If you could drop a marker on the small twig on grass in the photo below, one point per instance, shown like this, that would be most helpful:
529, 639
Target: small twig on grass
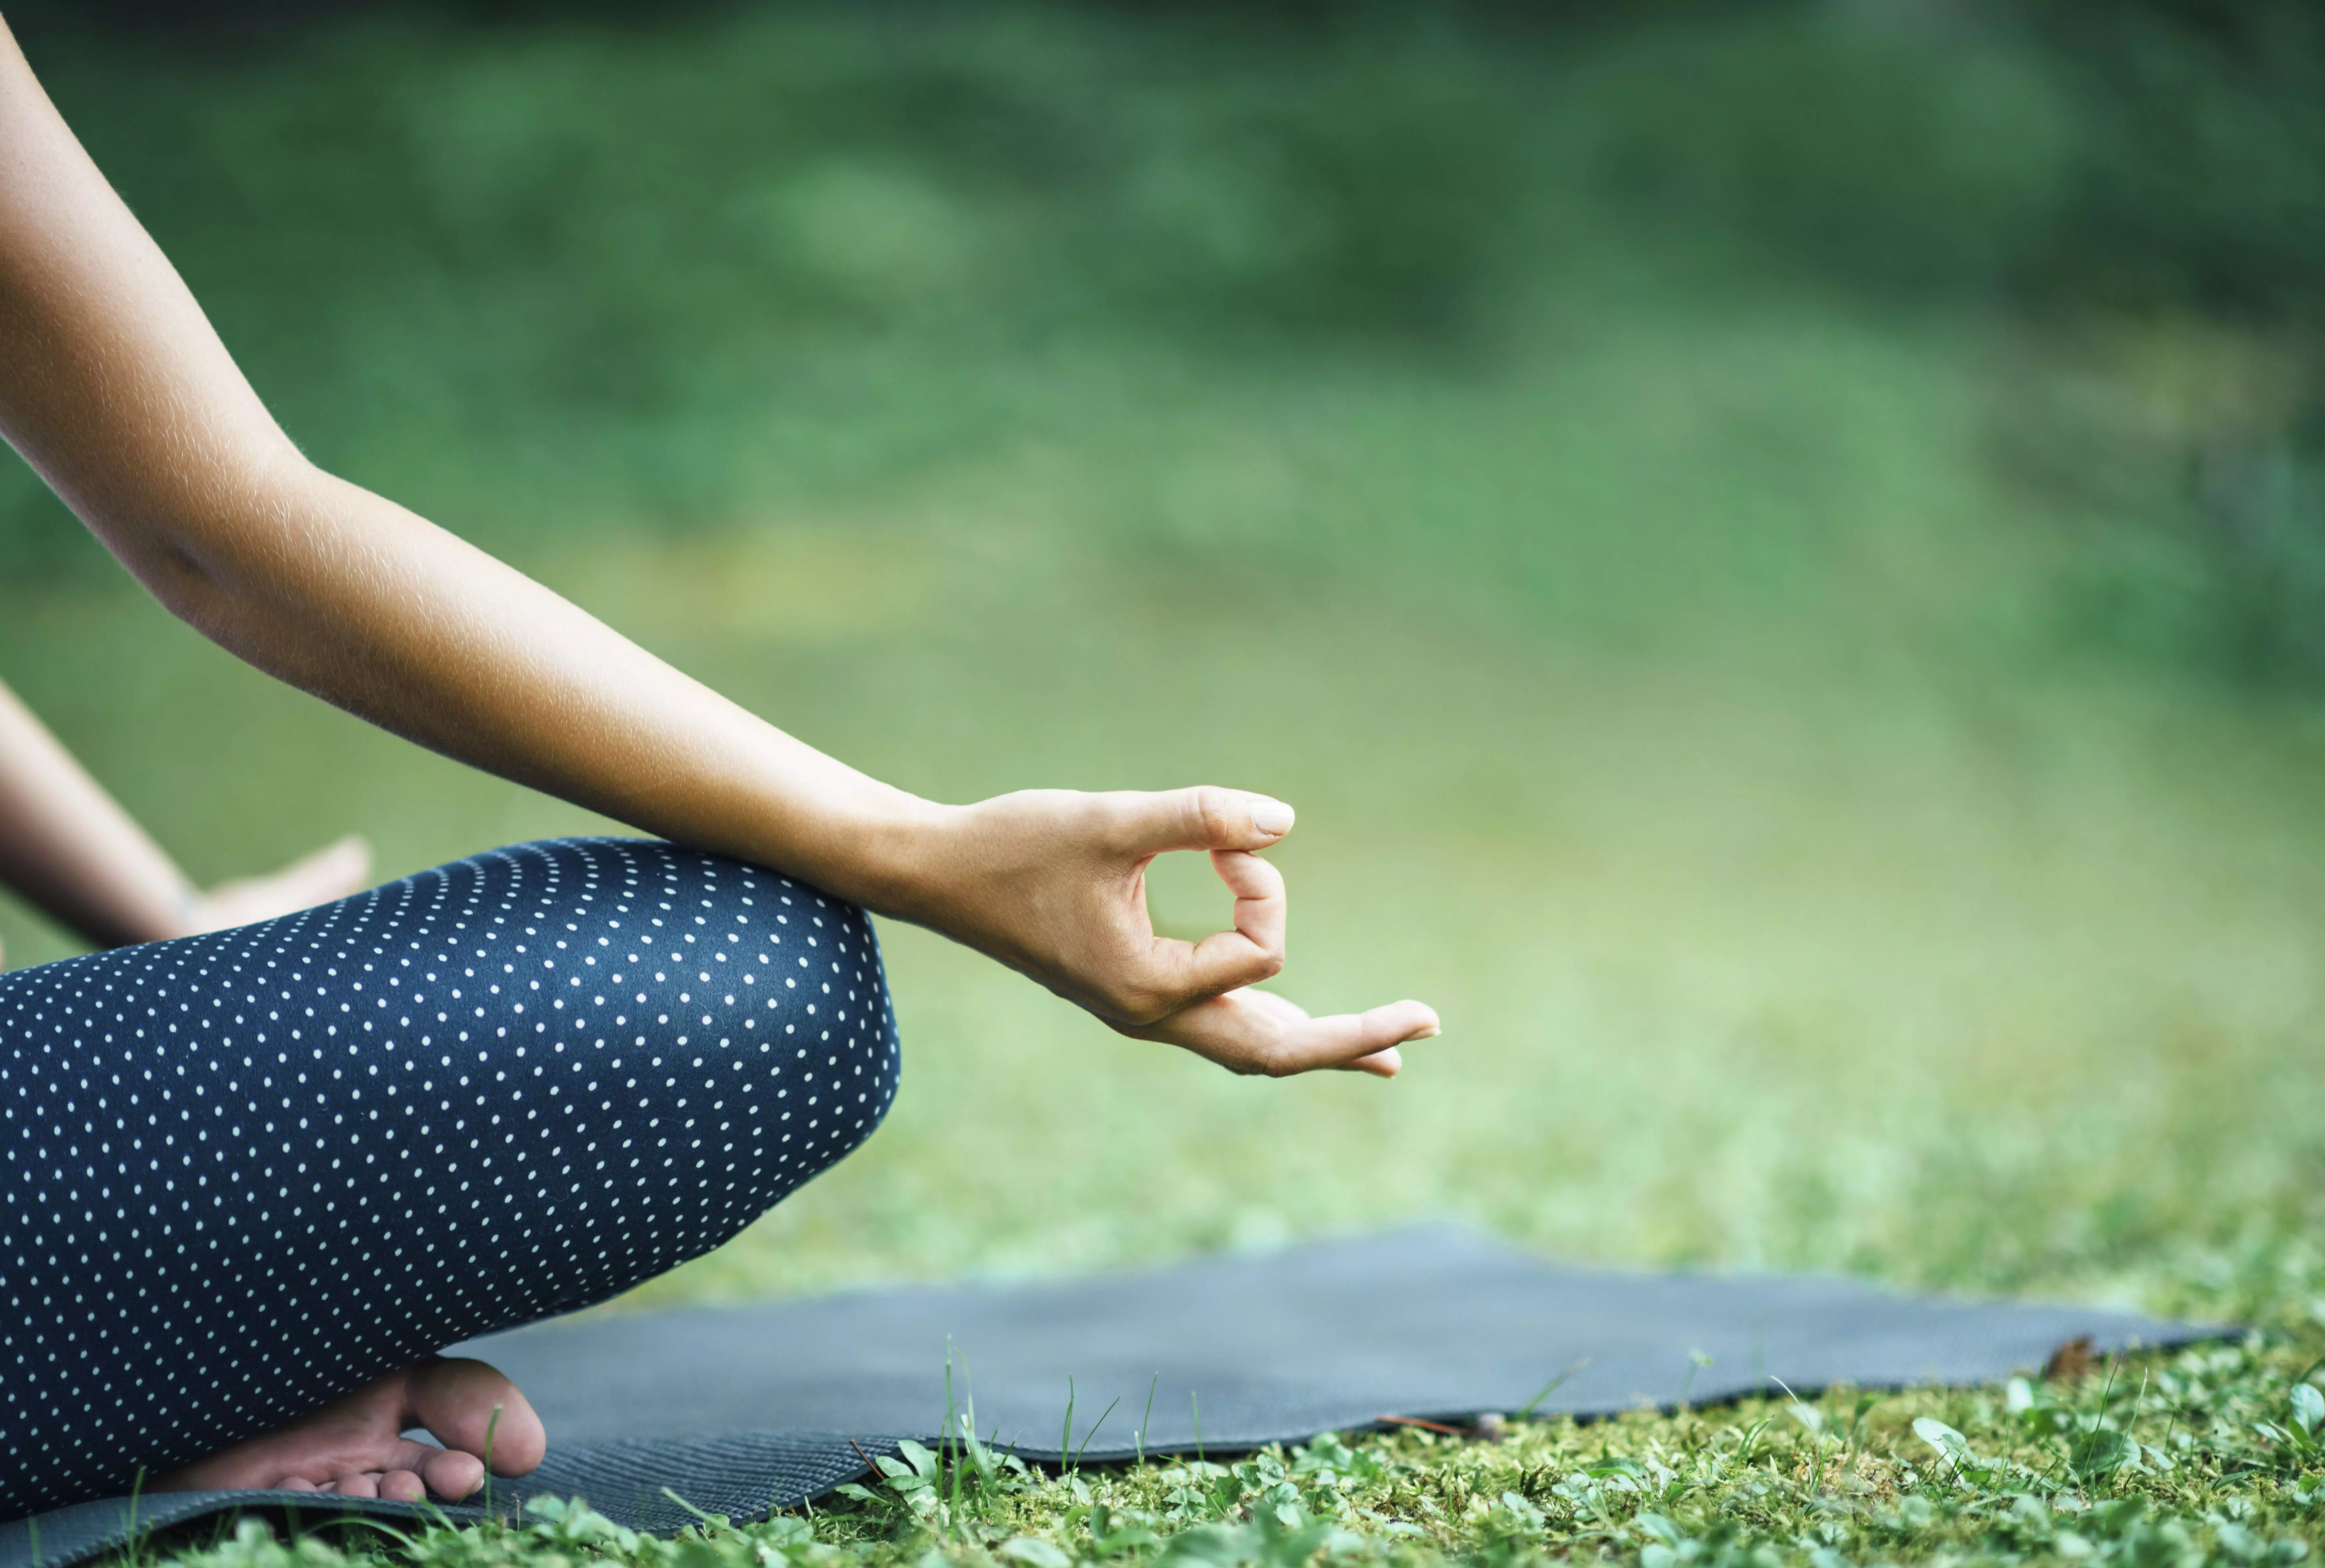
1814, 1421
491, 1427
1092, 1432
1146, 1420
707, 1519
1525, 1410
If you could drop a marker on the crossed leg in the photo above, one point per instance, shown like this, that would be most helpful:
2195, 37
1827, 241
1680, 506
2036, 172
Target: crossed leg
270, 1172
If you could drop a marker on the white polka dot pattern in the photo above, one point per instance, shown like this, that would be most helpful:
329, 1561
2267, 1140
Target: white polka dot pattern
246, 1172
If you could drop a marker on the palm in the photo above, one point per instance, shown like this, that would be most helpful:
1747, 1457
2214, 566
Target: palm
331, 872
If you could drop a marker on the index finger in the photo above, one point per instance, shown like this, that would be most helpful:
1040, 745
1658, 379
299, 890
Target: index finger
1227, 960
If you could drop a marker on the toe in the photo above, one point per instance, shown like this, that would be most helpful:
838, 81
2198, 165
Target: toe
404, 1485
362, 1484
471, 1407
453, 1475
295, 1483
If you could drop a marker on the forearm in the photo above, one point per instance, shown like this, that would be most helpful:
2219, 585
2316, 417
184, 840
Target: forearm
359, 601
69, 849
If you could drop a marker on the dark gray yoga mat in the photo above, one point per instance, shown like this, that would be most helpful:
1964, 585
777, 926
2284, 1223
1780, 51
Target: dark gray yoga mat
740, 1410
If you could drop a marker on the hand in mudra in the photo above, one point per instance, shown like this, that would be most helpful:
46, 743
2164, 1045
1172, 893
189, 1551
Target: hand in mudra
331, 872
1054, 884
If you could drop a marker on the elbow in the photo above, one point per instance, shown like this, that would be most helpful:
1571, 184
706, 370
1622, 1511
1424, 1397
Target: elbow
206, 555
180, 567
176, 571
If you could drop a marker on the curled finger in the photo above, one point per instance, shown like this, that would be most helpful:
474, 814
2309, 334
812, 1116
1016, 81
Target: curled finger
1225, 961
1261, 906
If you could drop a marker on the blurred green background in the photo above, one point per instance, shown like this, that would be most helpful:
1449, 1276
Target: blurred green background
1778, 548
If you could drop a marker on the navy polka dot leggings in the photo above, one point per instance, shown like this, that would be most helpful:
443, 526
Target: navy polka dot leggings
243, 1173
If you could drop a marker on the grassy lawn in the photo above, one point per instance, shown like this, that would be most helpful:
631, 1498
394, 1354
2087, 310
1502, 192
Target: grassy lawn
1827, 832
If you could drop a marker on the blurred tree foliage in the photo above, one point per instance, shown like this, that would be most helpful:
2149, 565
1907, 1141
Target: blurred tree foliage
2138, 185
2147, 154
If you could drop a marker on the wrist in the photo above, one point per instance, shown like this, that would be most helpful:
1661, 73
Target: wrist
867, 842
902, 846
186, 910
162, 910
150, 913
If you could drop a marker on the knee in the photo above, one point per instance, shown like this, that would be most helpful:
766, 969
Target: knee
749, 1014
819, 978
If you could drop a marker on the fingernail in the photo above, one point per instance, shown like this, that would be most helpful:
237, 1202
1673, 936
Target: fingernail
1272, 817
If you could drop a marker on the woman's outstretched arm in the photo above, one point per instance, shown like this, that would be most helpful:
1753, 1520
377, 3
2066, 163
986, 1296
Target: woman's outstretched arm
69, 847
114, 387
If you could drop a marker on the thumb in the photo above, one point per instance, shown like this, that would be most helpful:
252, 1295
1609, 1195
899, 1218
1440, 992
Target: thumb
1205, 817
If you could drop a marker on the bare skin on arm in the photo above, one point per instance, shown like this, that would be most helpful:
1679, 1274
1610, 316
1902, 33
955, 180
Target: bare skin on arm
69, 847
114, 387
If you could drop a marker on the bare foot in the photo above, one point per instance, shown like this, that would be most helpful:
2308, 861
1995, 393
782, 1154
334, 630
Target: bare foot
333, 871
355, 1446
